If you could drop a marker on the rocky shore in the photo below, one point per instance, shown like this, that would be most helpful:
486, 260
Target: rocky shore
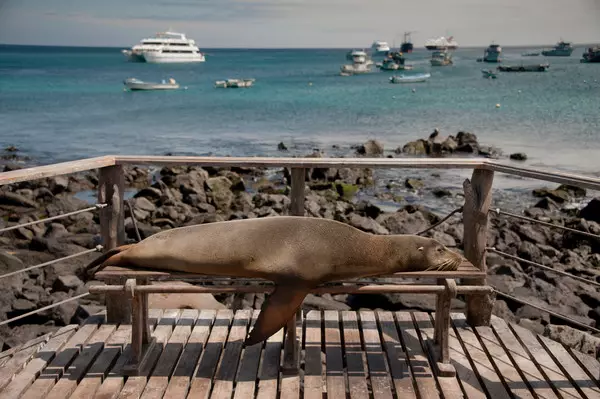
179, 196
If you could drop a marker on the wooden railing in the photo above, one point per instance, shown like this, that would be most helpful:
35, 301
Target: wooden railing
477, 199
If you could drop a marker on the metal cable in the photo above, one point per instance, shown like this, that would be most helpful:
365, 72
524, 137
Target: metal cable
441, 221
64, 215
514, 215
88, 251
566, 274
44, 308
558, 315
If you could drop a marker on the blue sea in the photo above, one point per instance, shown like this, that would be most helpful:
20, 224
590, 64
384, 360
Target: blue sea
61, 103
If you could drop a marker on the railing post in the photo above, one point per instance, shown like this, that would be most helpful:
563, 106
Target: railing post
111, 184
292, 347
478, 197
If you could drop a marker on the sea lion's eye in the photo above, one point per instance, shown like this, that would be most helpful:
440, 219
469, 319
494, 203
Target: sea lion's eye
440, 249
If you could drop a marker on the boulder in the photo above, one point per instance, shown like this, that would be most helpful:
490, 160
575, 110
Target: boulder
591, 211
413, 184
418, 147
518, 156
281, 147
559, 196
370, 148
573, 338
144, 204
402, 222
366, 224
13, 199
220, 188
67, 283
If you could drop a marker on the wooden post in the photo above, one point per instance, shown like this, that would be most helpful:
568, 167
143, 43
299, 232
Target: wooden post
292, 347
111, 183
478, 197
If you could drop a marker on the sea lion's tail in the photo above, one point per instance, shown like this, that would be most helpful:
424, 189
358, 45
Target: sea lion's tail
111, 257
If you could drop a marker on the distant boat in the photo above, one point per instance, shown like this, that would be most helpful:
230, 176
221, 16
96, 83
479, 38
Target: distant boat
440, 43
407, 46
524, 68
440, 58
136, 84
489, 74
360, 63
234, 83
380, 47
592, 55
394, 61
562, 49
492, 53
531, 54
165, 47
422, 77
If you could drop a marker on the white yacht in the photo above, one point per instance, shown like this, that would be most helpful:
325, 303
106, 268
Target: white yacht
380, 47
440, 43
165, 47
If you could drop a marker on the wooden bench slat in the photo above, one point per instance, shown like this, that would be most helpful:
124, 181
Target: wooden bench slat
202, 381
355, 357
26, 377
248, 369
419, 365
19, 359
289, 387
522, 360
313, 370
378, 369
159, 380
270, 366
589, 364
334, 365
396, 357
448, 385
184, 371
223, 381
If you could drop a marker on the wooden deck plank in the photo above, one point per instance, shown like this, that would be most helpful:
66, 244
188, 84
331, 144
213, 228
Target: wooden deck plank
134, 386
46, 380
588, 363
334, 366
270, 367
313, 370
20, 358
111, 386
396, 357
289, 384
355, 357
379, 373
76, 371
545, 363
449, 386
481, 363
223, 381
571, 368
26, 377
248, 369
159, 380
522, 360
99, 370
202, 381
419, 365
184, 371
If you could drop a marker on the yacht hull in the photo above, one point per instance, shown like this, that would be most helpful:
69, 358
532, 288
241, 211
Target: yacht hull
172, 58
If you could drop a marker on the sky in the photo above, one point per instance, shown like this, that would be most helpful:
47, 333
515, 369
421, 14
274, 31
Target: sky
299, 23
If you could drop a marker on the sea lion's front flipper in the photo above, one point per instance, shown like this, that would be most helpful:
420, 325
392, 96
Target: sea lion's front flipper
277, 309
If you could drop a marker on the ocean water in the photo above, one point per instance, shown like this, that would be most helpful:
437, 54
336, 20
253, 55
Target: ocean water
59, 104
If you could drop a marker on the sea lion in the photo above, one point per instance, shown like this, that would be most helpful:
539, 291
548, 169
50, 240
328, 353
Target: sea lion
296, 253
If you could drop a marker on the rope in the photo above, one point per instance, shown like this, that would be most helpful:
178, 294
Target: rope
441, 221
137, 232
513, 215
566, 274
88, 251
44, 308
64, 215
557, 315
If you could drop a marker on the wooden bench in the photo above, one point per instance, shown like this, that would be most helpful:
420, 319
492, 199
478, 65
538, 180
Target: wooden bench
133, 287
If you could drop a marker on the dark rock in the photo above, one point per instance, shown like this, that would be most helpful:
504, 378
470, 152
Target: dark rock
518, 156
532, 325
402, 222
468, 148
443, 238
21, 306
418, 147
149, 192
466, 138
324, 302
413, 184
572, 190
591, 211
559, 196
490, 151
63, 314
281, 147
11, 148
529, 251
144, 204
530, 233
502, 310
370, 148
367, 209
449, 145
55, 230
145, 230
67, 283
12, 199
220, 188
366, 224
58, 184
572, 338
545, 203
441, 192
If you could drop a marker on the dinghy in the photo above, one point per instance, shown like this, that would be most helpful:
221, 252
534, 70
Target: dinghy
422, 77
136, 84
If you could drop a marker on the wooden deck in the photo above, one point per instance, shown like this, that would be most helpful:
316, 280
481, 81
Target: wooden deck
344, 355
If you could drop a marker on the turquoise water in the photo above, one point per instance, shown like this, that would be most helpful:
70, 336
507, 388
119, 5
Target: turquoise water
59, 104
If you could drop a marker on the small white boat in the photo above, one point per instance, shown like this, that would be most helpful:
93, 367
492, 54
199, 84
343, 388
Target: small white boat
422, 77
136, 84
234, 83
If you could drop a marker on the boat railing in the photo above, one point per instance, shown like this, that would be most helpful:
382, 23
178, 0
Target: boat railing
475, 212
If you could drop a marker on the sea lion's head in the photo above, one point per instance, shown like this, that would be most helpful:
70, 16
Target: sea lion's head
427, 254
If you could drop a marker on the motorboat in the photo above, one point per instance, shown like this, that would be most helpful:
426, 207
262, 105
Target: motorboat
440, 58
136, 84
234, 83
531, 54
492, 53
357, 56
165, 47
441, 42
592, 55
361, 63
562, 49
489, 74
394, 61
407, 46
380, 47
422, 77
524, 68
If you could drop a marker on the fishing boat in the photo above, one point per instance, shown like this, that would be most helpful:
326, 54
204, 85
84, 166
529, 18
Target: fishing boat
492, 53
562, 49
440, 58
136, 84
394, 61
422, 77
406, 46
531, 54
592, 55
234, 83
489, 74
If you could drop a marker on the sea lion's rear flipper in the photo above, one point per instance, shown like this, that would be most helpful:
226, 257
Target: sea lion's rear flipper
109, 257
278, 308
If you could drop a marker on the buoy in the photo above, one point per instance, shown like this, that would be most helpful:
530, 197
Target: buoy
393, 97
518, 91
310, 83
414, 90
497, 105
585, 81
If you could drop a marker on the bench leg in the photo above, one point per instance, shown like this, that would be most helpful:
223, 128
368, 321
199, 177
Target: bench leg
440, 349
141, 341
291, 351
